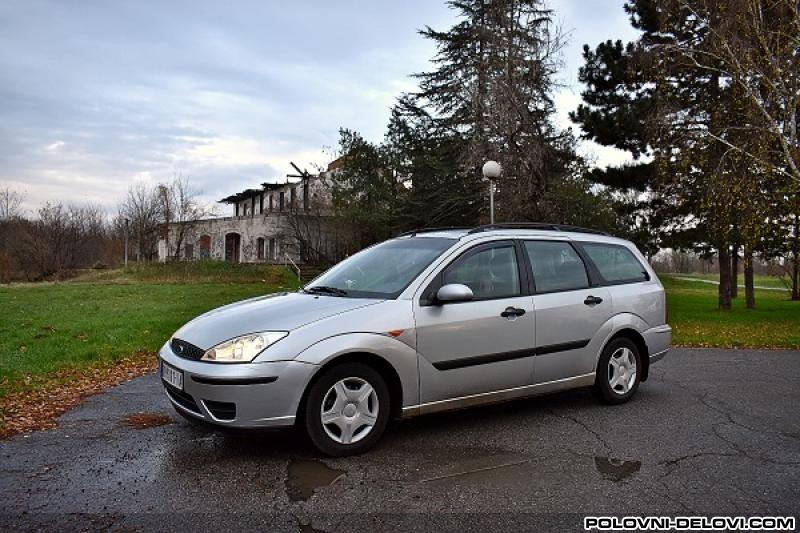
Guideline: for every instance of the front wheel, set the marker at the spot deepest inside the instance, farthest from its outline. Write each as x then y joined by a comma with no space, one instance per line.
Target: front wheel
347,410
618,369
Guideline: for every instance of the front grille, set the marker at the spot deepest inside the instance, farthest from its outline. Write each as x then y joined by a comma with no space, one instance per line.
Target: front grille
182,399
186,350
221,410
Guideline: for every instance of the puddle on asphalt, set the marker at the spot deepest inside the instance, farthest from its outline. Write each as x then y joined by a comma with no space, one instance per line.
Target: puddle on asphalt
306,476
147,420
307,527
616,469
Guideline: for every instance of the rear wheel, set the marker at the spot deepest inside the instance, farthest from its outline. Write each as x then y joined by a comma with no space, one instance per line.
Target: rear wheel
618,371
347,410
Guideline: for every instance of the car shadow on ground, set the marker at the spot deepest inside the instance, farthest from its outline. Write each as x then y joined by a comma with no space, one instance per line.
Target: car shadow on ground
291,442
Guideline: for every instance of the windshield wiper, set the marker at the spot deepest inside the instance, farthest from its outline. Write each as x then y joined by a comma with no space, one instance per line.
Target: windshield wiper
324,289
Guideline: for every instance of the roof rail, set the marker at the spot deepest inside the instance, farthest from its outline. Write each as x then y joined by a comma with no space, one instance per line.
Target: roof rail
536,225
430,230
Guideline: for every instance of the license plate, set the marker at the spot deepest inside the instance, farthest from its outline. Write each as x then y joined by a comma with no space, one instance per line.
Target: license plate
172,375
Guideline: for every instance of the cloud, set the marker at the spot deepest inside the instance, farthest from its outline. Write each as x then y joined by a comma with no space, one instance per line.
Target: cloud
97,95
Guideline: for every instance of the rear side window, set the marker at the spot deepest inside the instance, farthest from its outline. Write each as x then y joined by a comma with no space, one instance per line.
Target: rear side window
556,266
615,263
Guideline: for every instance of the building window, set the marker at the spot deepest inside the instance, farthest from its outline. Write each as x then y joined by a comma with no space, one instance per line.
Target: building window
260,248
205,247
305,197
292,197
272,250
233,247
188,251
271,207
261,204
280,201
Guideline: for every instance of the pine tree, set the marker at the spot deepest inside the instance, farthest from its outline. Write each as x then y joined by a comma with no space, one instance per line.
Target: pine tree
491,89
618,103
427,160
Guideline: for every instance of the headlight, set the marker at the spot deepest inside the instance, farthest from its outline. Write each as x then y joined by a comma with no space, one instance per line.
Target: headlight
243,349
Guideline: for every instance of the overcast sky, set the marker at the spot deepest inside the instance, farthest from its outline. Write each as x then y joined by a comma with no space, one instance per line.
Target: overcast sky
97,94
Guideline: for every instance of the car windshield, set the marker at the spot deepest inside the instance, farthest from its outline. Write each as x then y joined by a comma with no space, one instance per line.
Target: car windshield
381,271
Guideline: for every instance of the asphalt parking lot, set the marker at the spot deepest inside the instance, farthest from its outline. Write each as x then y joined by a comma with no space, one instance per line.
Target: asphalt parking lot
713,432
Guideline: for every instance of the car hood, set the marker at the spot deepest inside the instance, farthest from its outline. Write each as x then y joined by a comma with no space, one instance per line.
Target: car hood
274,312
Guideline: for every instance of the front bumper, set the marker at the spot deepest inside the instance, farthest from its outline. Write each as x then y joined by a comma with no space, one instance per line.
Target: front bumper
246,395
659,341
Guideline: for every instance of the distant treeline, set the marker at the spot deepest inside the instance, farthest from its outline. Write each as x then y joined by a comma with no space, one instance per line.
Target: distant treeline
58,239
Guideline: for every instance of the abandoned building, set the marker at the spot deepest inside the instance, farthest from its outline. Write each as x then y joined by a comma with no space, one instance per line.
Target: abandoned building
275,223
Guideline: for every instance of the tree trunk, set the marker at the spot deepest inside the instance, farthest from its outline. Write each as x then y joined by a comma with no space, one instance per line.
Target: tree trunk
796,259
749,290
724,278
735,271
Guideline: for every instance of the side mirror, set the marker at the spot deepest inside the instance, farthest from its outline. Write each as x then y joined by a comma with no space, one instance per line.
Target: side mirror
454,292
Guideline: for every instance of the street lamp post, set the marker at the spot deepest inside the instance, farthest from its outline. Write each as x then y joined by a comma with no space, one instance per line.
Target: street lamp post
491,171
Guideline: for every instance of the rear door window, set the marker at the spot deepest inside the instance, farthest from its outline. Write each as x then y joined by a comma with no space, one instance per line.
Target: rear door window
556,266
616,264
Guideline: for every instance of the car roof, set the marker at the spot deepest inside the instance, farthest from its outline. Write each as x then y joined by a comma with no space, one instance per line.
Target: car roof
553,231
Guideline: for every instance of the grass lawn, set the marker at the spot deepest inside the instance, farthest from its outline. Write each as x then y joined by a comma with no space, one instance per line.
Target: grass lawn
45,328
775,323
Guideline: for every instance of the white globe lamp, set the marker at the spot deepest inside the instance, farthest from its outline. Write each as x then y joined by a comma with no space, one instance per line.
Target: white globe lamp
491,171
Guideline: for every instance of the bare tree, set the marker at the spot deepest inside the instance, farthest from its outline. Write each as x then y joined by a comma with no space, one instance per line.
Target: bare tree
62,238
742,55
180,208
309,225
142,209
10,202
754,44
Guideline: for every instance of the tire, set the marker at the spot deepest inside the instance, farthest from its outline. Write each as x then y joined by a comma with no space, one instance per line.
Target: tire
608,387
354,399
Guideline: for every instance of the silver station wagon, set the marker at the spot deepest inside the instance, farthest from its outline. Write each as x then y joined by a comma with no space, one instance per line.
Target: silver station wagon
429,321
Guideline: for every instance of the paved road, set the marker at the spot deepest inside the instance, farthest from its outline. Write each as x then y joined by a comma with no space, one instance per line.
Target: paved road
714,432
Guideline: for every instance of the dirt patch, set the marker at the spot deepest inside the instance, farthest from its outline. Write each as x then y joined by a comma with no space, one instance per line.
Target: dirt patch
45,398
147,420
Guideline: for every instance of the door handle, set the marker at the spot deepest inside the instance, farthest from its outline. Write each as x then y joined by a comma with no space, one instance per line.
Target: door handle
593,300
512,311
